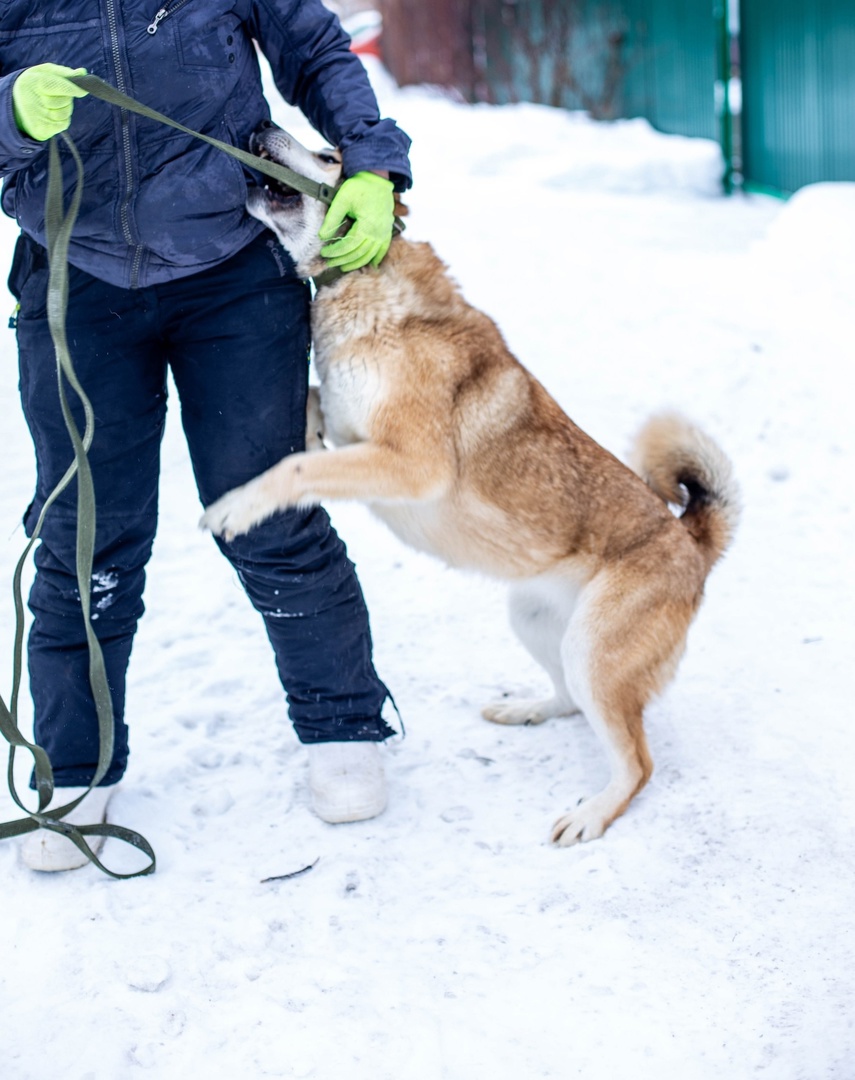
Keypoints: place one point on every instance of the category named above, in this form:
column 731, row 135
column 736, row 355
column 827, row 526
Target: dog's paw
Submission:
column 587, row 822
column 236, row 512
column 525, row 711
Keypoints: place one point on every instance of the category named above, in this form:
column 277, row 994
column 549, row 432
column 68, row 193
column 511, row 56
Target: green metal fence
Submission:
column 798, row 99
column 651, row 58
column 673, row 81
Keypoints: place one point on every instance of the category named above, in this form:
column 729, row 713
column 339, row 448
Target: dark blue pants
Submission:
column 236, row 339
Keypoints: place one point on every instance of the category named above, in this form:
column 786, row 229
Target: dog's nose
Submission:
column 264, row 125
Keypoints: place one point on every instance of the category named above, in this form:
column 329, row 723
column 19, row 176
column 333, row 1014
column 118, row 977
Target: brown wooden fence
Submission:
column 430, row 42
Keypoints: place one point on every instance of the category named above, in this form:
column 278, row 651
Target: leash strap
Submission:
column 100, row 89
column 59, row 225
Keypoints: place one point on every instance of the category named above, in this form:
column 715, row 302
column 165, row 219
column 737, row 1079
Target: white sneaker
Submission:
column 46, row 850
column 346, row 781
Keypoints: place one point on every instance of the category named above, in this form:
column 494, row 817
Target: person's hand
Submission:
column 369, row 200
column 43, row 98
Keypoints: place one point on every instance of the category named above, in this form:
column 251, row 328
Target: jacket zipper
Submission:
column 167, row 9
column 124, row 213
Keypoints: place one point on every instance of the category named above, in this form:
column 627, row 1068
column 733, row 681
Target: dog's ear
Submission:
column 401, row 208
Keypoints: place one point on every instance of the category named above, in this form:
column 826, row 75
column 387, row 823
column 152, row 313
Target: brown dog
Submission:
column 464, row 455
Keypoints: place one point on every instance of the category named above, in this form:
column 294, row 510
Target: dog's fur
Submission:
column 465, row 455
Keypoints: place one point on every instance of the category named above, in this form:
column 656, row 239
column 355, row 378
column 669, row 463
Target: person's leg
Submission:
column 119, row 362
column 238, row 341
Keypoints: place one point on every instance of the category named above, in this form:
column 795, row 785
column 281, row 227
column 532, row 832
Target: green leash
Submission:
column 100, row 89
column 59, row 225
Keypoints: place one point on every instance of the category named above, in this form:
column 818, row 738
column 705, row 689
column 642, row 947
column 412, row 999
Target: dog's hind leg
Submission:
column 540, row 624
column 315, row 428
column 621, row 647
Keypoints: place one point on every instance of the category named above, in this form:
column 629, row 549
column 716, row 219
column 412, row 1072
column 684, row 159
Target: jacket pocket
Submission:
column 206, row 41
column 30, row 34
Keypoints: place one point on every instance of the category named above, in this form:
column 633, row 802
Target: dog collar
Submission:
column 327, row 277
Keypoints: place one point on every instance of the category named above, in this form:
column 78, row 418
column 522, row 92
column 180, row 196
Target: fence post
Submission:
column 724, row 73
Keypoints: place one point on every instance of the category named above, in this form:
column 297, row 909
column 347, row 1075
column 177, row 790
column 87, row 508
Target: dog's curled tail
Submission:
column 684, row 466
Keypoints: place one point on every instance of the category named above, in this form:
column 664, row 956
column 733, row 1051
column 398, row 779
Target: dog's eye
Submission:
column 328, row 159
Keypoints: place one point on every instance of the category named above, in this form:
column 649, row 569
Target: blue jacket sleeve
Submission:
column 315, row 70
column 16, row 148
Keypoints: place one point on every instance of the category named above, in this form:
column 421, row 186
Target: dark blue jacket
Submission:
column 158, row 204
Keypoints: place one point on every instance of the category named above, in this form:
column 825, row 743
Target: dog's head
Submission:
column 295, row 218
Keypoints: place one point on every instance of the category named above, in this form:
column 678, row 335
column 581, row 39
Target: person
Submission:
column 168, row 272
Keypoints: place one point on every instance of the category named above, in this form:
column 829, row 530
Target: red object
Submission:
column 365, row 29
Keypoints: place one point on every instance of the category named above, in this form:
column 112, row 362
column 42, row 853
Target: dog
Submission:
column 464, row 454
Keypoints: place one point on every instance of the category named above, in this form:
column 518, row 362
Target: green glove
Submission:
column 368, row 199
column 42, row 98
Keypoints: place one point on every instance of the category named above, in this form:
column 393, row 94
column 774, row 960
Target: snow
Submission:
column 709, row 933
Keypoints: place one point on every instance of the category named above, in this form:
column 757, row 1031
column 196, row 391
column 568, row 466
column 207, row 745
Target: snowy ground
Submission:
column 709, row 934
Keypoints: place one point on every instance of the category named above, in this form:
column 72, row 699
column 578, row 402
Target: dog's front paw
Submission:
column 236, row 512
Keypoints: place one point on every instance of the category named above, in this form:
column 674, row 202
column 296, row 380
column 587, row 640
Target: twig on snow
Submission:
column 293, row 874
